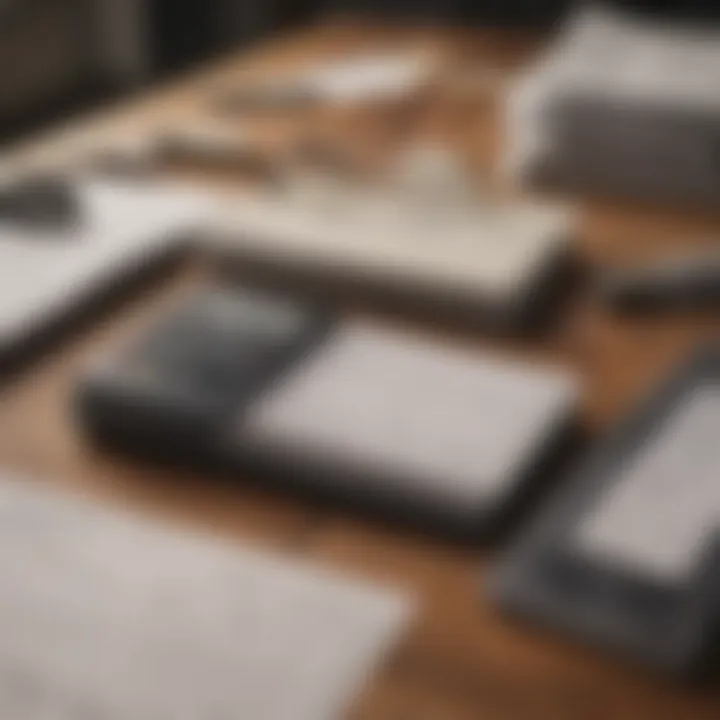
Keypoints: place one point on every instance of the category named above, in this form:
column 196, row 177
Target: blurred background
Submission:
column 58, row 56
column 451, row 120
column 61, row 55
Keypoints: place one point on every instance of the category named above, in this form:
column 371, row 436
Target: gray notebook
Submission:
column 123, row 227
column 108, row 617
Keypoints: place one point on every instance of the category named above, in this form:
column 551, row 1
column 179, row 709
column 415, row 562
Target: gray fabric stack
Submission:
column 623, row 106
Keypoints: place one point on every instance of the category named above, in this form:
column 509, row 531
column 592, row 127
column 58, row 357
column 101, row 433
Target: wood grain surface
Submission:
column 461, row 661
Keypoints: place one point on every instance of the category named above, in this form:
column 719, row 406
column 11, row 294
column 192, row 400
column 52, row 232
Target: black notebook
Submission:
column 339, row 408
column 627, row 556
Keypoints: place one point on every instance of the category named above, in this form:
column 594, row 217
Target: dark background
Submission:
column 186, row 30
column 49, row 49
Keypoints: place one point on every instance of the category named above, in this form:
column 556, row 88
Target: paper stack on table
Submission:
column 487, row 259
column 622, row 105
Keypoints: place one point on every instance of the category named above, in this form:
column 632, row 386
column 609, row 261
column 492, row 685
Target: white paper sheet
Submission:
column 124, row 226
column 107, row 616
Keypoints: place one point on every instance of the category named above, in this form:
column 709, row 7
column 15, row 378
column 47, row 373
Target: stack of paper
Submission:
column 484, row 255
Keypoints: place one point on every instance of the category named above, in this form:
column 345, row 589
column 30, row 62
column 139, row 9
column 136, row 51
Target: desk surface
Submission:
column 461, row 661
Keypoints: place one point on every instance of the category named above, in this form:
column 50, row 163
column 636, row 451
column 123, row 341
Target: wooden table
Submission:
column 461, row 660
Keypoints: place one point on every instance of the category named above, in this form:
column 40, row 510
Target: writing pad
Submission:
column 420, row 427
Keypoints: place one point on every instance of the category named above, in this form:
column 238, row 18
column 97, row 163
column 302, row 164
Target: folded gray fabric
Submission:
column 621, row 105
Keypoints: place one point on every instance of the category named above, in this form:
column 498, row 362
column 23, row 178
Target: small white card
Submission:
column 370, row 77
